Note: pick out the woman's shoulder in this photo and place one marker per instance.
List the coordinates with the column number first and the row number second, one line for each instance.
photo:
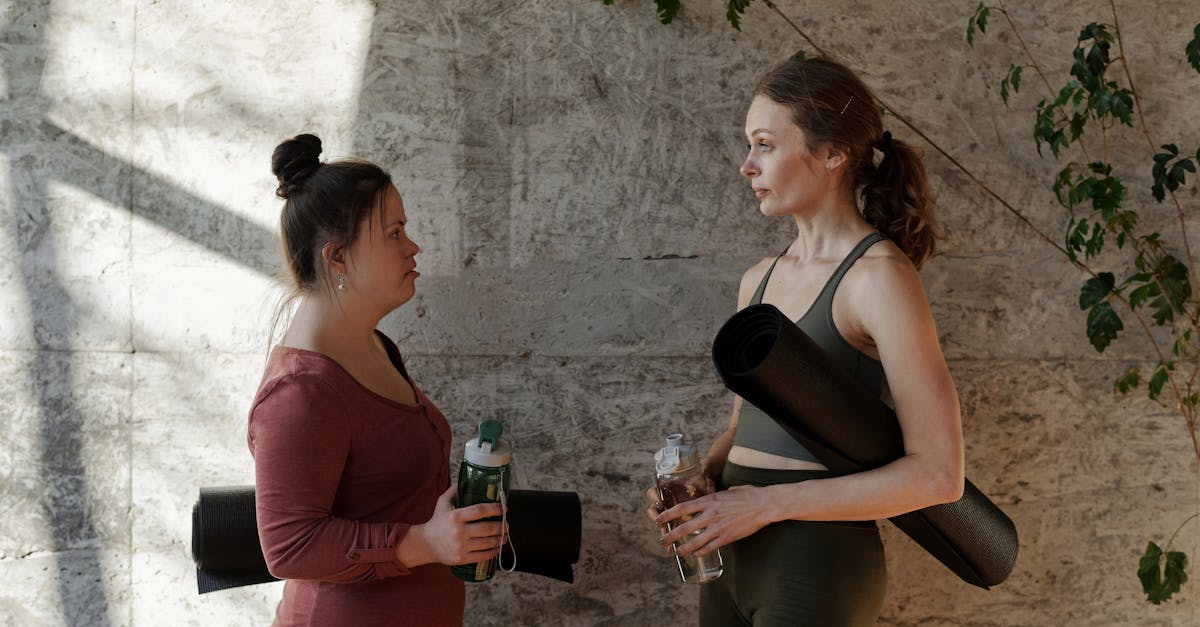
column 299, row 372
column 751, row 278
column 756, row 272
column 884, row 273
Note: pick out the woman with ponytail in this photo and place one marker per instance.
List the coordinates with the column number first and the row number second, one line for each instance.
column 351, row 459
column 800, row 545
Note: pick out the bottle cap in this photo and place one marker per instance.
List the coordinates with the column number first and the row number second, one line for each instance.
column 488, row 448
column 675, row 456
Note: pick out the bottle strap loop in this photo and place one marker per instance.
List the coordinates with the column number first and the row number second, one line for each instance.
column 504, row 529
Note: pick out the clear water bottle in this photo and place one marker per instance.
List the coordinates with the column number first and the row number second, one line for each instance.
column 483, row 477
column 680, row 479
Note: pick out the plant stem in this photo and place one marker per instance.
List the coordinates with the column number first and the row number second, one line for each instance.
column 1137, row 102
column 1178, row 529
column 1104, row 140
column 804, row 35
column 1020, row 216
column 1036, row 66
column 1162, row 360
column 981, row 184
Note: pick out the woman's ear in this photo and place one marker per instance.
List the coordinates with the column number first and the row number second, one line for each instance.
column 334, row 254
column 835, row 157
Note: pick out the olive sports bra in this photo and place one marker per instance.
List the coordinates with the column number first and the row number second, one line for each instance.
column 758, row 431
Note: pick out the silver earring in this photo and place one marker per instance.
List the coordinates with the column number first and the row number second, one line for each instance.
column 828, row 167
column 341, row 282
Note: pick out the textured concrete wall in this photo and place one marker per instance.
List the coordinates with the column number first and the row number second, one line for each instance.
column 571, row 173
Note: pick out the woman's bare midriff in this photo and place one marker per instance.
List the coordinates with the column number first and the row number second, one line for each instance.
column 751, row 458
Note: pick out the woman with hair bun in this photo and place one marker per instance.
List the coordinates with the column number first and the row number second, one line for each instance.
column 800, row 545
column 351, row 459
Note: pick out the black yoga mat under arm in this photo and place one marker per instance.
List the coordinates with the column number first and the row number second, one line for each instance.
column 545, row 529
column 225, row 542
column 766, row 359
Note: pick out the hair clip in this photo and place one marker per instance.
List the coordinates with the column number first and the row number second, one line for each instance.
column 843, row 111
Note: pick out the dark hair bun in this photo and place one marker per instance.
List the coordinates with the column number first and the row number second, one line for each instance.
column 295, row 160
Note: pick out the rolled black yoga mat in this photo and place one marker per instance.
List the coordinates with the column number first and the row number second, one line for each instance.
column 225, row 542
column 544, row 527
column 766, row 359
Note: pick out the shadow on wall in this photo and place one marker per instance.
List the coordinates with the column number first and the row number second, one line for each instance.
column 68, row 505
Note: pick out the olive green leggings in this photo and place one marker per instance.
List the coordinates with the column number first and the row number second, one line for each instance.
column 796, row 573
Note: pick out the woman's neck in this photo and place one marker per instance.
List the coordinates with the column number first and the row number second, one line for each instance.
column 327, row 323
column 827, row 229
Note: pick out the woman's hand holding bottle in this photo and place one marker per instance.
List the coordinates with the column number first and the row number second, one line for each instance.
column 453, row 536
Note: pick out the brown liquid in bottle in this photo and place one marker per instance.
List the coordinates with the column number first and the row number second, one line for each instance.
column 680, row 490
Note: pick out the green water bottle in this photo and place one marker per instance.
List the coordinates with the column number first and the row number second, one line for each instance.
column 483, row 477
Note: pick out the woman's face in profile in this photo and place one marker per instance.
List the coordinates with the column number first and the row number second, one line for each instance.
column 786, row 177
column 382, row 260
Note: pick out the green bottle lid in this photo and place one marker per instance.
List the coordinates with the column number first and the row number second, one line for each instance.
column 488, row 448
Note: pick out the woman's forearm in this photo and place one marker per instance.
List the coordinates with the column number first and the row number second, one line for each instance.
column 714, row 461
column 905, row 485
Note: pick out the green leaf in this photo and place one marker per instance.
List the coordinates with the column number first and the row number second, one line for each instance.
column 1142, row 294
column 1128, row 381
column 1172, row 278
column 1123, row 107
column 1161, row 583
column 1058, row 141
column 1109, row 99
column 1193, row 52
column 1150, row 573
column 1163, row 312
column 1158, row 380
column 981, row 17
column 1061, row 187
column 1096, row 290
column 1071, row 89
column 1096, row 242
column 978, row 20
column 1091, row 31
column 667, row 10
column 1081, row 190
column 1103, row 326
column 1182, row 344
column 1043, row 126
column 734, row 11
column 1176, row 177
column 1078, row 121
column 1089, row 65
column 1107, row 195
column 1013, row 80
column 1176, row 570
column 1076, row 238
column 1161, row 175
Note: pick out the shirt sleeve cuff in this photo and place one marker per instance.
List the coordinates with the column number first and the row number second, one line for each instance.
column 383, row 558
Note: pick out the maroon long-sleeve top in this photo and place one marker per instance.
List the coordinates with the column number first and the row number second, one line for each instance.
column 341, row 473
